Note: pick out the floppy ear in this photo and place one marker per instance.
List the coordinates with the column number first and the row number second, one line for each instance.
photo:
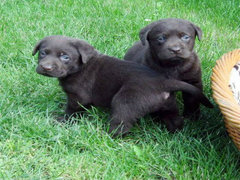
column 198, row 31
column 143, row 35
column 144, row 32
column 36, row 48
column 85, row 50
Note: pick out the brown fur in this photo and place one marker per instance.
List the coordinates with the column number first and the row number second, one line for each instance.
column 90, row 78
column 167, row 47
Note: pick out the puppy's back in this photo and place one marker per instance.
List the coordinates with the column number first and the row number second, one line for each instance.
column 136, row 53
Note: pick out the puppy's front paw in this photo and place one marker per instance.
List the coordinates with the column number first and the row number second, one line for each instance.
column 192, row 115
column 62, row 119
column 118, row 129
column 175, row 124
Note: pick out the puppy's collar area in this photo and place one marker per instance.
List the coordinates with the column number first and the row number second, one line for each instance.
column 171, row 62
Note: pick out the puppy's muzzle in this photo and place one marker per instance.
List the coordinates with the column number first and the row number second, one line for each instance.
column 47, row 67
column 175, row 49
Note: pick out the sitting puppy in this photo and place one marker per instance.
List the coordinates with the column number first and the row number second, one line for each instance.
column 167, row 47
column 91, row 78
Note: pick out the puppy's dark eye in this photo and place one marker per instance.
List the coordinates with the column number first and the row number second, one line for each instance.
column 64, row 58
column 42, row 53
column 162, row 39
column 185, row 37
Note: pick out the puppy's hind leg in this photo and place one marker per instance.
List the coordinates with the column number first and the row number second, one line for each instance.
column 169, row 114
column 124, row 115
column 130, row 104
column 191, row 104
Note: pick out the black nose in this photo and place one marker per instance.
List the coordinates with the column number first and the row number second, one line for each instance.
column 47, row 67
column 175, row 49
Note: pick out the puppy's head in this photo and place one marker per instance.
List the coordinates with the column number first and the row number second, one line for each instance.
column 60, row 56
column 170, row 40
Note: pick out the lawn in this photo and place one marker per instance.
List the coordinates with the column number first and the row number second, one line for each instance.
column 34, row 146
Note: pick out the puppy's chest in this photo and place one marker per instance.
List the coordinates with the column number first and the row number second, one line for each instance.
column 169, row 72
column 175, row 72
column 81, row 91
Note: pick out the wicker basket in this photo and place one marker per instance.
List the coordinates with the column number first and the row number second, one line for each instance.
column 223, row 95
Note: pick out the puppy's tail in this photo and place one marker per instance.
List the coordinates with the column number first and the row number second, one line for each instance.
column 176, row 85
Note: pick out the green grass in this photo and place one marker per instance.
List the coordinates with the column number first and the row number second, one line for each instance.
column 33, row 146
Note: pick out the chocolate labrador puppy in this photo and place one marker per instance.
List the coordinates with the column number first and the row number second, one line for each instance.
column 91, row 78
column 167, row 47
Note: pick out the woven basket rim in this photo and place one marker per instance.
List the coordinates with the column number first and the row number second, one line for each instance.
column 223, row 95
column 218, row 82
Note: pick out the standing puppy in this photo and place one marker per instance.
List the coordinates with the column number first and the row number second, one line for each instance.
column 167, row 47
column 91, row 78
